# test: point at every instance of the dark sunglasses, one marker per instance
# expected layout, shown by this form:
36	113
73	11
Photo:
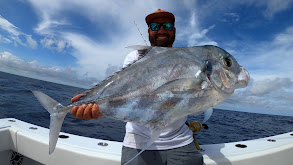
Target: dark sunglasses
157	26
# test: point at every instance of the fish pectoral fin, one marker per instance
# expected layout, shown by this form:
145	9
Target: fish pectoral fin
207	114
183	84
155	135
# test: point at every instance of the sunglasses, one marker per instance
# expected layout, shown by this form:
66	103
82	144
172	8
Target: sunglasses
157	26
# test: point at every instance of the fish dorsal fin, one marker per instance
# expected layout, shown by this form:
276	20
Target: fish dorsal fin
143	50
155	133
139	47
147	52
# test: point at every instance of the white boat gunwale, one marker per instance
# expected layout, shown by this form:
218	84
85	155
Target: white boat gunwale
32	142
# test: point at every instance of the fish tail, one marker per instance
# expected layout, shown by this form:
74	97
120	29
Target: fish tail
57	115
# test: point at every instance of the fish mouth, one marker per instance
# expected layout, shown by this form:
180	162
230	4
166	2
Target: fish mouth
243	78
228	87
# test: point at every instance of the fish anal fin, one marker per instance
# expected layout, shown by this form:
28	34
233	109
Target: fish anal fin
155	135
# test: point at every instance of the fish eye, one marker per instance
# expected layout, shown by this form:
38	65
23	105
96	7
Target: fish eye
227	62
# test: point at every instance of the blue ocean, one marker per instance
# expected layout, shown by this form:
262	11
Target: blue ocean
17	101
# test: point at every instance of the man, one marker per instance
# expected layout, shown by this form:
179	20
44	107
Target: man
175	144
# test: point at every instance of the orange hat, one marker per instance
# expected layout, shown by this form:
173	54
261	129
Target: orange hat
159	14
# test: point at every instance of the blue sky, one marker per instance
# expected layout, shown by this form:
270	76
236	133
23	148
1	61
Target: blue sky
80	42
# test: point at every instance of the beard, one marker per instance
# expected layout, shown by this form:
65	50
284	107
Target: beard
167	43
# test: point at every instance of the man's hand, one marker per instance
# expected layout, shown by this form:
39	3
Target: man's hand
85	111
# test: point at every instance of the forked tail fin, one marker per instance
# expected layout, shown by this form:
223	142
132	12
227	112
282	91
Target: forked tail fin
57	115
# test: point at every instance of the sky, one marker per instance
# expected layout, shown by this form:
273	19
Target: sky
80	43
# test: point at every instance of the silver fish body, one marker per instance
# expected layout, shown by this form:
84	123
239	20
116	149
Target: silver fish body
164	85
169	83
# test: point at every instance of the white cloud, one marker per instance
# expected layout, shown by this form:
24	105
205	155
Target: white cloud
190	33
69	76
285	38
271	96
47	43
274	6
15	34
9	27
31	42
7	59
55	44
94	58
4	40
268	86
61	45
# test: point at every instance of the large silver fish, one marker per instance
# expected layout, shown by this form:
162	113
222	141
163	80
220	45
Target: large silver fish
162	86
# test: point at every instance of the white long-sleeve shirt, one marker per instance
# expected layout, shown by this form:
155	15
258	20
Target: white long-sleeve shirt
173	136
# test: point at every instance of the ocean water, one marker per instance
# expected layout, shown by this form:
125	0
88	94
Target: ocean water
17	101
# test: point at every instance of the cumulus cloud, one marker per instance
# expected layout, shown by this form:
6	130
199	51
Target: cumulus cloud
15	34
69	76
269	96
270	85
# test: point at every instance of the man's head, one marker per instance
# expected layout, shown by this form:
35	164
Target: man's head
161	28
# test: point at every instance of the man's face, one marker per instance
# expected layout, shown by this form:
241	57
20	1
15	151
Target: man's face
162	37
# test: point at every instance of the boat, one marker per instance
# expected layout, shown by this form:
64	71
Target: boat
22	143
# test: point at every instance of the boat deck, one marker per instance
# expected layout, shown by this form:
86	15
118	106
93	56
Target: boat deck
31	141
